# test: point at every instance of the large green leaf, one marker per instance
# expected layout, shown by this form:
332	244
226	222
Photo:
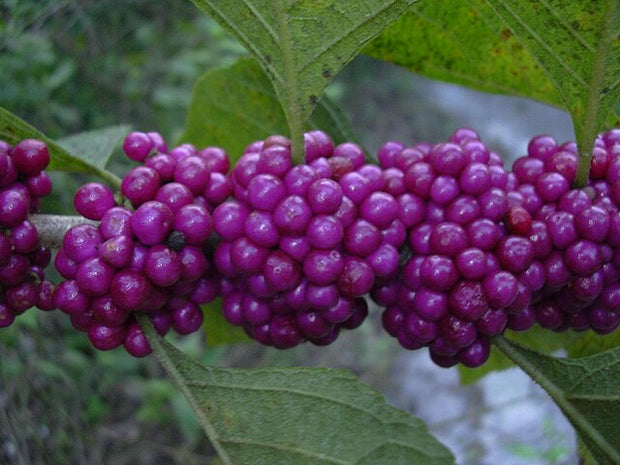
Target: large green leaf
296	415
95	147
303	44
236	105
586	390
13	129
465	43
495	45
578	44
536	338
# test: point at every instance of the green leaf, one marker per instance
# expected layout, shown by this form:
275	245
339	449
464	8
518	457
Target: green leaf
236	105
592	343
218	331
578	44
495	45
13	129
585	456
95	147
535	338
303	44
585	389
296	415
464	43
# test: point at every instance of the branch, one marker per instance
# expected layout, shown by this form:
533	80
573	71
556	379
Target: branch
52	228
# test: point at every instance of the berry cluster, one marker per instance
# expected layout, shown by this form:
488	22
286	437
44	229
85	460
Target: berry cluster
576	233
23	182
455	247
150	258
461	281
491	250
301	245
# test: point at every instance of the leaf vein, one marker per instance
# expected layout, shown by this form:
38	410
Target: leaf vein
328	46
544	45
262	21
567	26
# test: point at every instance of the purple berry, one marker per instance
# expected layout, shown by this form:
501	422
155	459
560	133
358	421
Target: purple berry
192	172
140	185
138	145
152	222
265	191
94	277
81	242
14	206
130	289
30	156
324	196
324	232
104	337
292	214
187	318
195	222
92	200
162	265
323	267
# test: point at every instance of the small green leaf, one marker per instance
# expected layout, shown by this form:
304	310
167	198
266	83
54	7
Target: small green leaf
585	389
464	43
303	44
535	338
95	147
234	106
13	129
218	331
296	415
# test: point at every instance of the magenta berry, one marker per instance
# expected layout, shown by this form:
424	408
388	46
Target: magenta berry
93	200
30	156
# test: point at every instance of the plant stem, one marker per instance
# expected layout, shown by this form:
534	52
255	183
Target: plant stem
113	180
52	228
158	345
586	134
291	86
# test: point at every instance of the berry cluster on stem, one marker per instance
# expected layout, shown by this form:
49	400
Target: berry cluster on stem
450	244
149	255
23	182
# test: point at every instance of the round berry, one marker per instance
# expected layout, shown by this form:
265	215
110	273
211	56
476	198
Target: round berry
138	145
30	156
152	222
92	200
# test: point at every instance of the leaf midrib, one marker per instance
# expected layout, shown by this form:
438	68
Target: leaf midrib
307	453
307	394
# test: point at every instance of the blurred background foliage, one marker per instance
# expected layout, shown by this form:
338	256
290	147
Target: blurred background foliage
73	65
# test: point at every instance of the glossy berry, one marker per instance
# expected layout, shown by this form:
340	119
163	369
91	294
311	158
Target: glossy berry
93	200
